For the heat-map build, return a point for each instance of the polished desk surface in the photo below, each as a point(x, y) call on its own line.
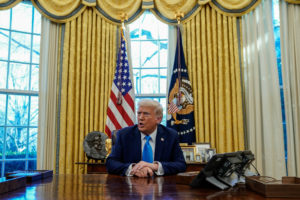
point(99, 168)
point(105, 186)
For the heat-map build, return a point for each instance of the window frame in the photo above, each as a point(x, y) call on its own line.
point(29, 93)
point(160, 96)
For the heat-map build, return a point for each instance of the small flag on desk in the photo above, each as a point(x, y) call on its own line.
point(180, 101)
point(120, 111)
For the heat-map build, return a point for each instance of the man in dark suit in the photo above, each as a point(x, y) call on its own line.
point(130, 154)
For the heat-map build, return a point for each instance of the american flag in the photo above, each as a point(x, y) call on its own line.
point(120, 111)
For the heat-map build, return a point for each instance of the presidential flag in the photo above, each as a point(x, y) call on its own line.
point(120, 111)
point(180, 102)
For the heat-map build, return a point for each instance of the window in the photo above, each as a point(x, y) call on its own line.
point(20, 29)
point(276, 24)
point(149, 53)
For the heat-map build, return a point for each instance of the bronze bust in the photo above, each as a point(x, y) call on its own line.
point(94, 146)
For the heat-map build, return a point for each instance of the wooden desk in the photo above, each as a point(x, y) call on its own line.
point(99, 168)
point(105, 186)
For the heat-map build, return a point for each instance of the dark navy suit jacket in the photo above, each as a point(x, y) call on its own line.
point(127, 150)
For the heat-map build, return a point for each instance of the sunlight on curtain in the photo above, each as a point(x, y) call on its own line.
point(48, 88)
point(262, 93)
point(211, 50)
point(89, 57)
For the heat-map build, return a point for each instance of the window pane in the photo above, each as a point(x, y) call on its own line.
point(1, 141)
point(36, 49)
point(149, 29)
point(149, 81)
point(3, 70)
point(22, 17)
point(20, 47)
point(32, 142)
point(18, 76)
point(163, 30)
point(11, 166)
point(163, 102)
point(35, 78)
point(163, 81)
point(4, 38)
point(136, 77)
point(135, 29)
point(163, 54)
point(34, 111)
point(135, 54)
point(37, 22)
point(149, 54)
point(16, 142)
point(4, 16)
point(2, 109)
point(32, 165)
point(17, 111)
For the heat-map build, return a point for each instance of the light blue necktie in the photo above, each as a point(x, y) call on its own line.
point(147, 151)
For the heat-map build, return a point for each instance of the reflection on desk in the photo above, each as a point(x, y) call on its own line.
point(99, 168)
point(104, 186)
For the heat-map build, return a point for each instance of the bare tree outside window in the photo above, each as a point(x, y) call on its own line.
point(149, 55)
point(20, 29)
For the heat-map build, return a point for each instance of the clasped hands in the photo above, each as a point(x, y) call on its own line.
point(144, 169)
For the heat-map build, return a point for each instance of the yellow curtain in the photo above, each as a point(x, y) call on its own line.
point(89, 57)
point(212, 54)
point(7, 4)
point(293, 1)
point(234, 8)
point(65, 10)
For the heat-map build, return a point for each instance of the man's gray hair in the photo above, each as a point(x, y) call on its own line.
point(152, 103)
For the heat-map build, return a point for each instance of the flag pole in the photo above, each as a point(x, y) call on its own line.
point(123, 18)
point(178, 16)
